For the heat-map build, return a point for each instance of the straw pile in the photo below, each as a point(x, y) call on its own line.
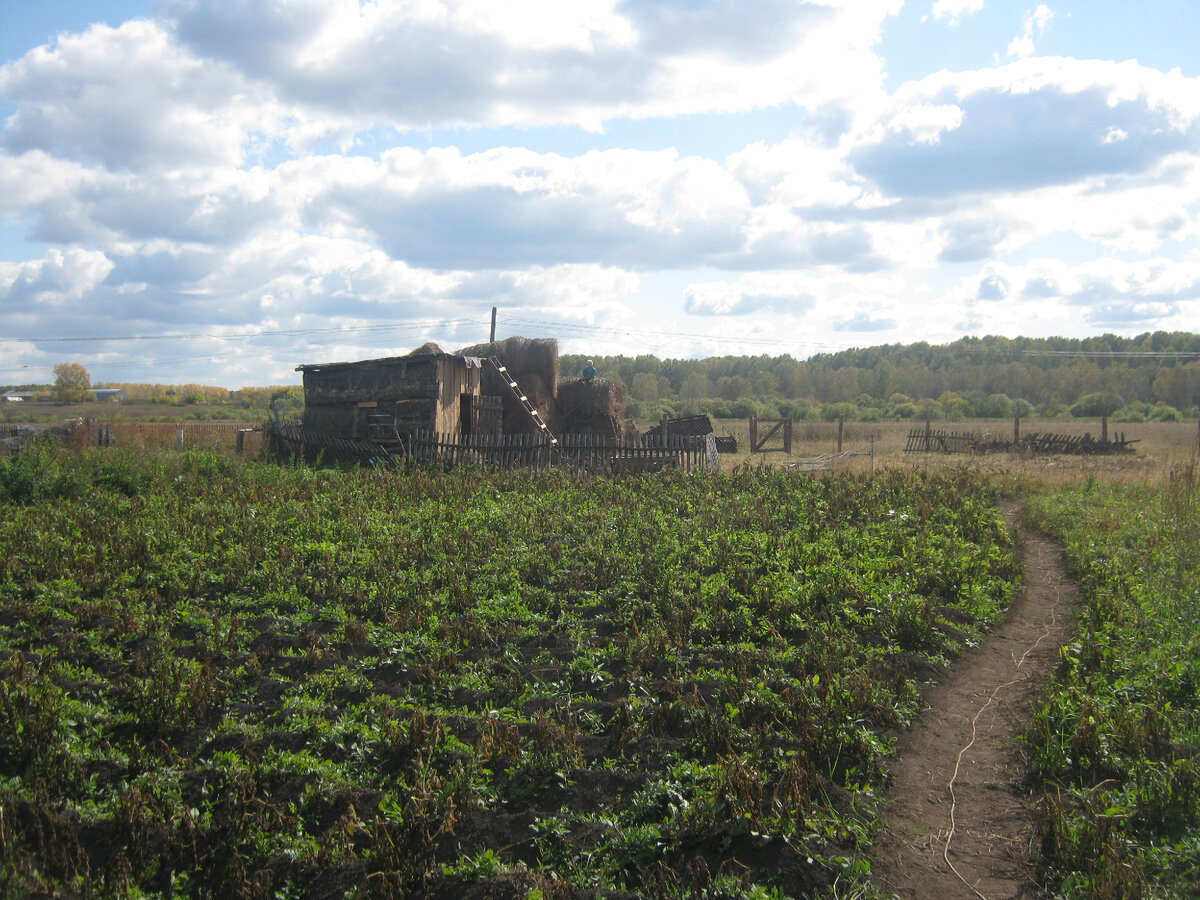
point(590, 407)
point(522, 356)
point(427, 349)
point(533, 364)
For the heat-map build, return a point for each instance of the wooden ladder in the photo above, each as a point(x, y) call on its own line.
point(524, 401)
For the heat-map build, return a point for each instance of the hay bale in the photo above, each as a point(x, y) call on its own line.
point(522, 357)
point(533, 364)
point(590, 407)
point(516, 419)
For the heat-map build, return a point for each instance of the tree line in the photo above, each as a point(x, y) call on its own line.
point(1151, 376)
point(73, 385)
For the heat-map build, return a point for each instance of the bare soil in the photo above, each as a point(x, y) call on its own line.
point(961, 813)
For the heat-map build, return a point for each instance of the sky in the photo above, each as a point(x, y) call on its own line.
point(217, 192)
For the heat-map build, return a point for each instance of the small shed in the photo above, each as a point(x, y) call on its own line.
point(692, 426)
point(376, 398)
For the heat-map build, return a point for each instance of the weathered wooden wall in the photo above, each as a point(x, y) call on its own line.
point(418, 392)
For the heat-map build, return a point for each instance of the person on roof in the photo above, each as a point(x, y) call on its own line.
point(589, 371)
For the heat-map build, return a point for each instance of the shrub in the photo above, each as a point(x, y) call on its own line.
point(1163, 413)
point(831, 412)
point(1102, 403)
point(994, 406)
point(37, 473)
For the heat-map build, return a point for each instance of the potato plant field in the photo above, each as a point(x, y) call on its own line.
point(225, 678)
point(1117, 742)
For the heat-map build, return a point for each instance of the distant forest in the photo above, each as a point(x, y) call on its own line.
point(1155, 376)
point(1151, 376)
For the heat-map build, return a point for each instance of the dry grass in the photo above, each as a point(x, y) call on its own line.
point(1161, 446)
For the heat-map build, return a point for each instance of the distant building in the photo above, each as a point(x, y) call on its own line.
point(113, 395)
point(17, 396)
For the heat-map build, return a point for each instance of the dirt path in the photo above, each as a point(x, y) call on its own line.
point(960, 818)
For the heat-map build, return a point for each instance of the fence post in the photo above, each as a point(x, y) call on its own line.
point(179, 439)
point(841, 424)
point(1016, 431)
point(872, 453)
point(1104, 429)
point(753, 434)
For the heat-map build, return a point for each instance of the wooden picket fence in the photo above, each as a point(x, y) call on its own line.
point(575, 452)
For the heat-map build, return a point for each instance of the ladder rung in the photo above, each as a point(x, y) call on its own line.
point(524, 400)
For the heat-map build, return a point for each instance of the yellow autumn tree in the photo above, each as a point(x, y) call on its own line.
point(72, 383)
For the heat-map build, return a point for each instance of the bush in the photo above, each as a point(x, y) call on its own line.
point(1102, 403)
point(1055, 411)
point(758, 407)
point(954, 405)
point(37, 473)
point(831, 412)
point(1023, 408)
point(655, 410)
point(1129, 415)
point(800, 410)
point(1163, 413)
point(994, 406)
point(930, 409)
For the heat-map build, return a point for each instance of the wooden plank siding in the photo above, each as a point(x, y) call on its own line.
point(577, 453)
point(416, 392)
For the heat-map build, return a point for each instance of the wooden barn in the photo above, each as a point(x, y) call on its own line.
point(376, 399)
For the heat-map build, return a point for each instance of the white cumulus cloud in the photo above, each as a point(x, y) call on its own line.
point(1037, 21)
point(59, 277)
point(954, 11)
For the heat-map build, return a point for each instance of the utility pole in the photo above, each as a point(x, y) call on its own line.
point(492, 338)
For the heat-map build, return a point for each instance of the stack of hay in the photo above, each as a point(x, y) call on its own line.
point(590, 407)
point(533, 364)
point(429, 348)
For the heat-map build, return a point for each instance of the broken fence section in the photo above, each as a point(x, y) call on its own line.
point(925, 440)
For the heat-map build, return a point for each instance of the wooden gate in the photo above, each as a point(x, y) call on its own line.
point(774, 427)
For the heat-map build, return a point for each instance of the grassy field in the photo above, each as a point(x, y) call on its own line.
point(1117, 742)
point(51, 412)
point(1161, 445)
